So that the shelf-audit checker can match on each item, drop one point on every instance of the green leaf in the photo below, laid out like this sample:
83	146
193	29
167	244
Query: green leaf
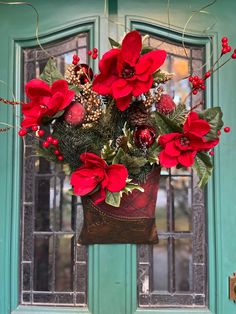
113	198
214	117
114	43
152	154
51	73
58	114
162	76
108	152
130	186
75	88
146	49
117	158
178	116
166	125
203	167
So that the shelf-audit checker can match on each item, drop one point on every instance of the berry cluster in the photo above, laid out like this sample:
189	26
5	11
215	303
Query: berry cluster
76	59
198	83
225	46
53	143
49	142
93	53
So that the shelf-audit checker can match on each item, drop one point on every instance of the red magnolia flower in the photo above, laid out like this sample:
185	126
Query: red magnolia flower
96	172
45	100
181	148
124	73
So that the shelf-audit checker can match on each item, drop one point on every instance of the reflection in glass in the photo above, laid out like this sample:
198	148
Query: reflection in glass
53	268
177	265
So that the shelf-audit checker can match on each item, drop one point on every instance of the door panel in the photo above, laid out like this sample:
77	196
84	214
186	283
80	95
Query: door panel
112	269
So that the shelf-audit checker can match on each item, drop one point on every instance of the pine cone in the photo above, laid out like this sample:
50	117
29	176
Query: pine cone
138	114
121	141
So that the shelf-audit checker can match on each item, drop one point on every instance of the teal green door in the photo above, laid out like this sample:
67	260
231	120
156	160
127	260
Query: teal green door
113	280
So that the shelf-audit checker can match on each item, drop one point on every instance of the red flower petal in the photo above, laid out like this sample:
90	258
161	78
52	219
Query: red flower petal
153	58
102	84
198	127
101	194
124	102
187	158
140	87
121	88
167	160
107	65
37	88
90	159
117	175
85	180
131	47
59	86
163	139
171	149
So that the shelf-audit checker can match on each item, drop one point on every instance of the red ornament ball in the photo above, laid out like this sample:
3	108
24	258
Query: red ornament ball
56	152
22	132
60	157
227	129
166	104
88	73
144	136
75	114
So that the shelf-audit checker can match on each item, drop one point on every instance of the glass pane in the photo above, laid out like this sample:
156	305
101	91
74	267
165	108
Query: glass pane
160	266
174	271
53	267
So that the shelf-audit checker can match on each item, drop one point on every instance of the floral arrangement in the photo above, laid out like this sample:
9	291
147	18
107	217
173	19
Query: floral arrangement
113	128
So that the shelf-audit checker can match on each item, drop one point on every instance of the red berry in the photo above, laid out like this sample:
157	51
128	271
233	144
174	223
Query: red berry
224	51
207	74
90	52
235	50
201	81
94	56
195	83
233	55
190	78
49	139
40	132
203	87
95	50
34	128
227	129
56	152
22	132
224	39
219	132
196	78
224	44
195	91
229	48
55	141
211	153
60	157
46	144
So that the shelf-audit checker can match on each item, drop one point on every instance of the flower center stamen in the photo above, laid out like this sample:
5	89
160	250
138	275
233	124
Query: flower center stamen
128	71
184	141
